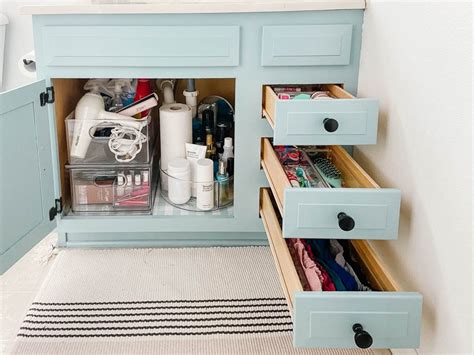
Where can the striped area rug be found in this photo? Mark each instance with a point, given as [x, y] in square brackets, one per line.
[161, 301]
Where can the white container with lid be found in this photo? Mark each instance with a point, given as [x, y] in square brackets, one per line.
[179, 181]
[205, 184]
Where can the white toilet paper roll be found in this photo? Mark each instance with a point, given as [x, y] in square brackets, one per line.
[27, 65]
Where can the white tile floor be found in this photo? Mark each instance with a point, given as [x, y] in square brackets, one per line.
[19, 285]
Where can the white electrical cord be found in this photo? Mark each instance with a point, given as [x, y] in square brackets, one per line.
[126, 142]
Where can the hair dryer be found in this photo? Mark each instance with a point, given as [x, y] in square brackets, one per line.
[90, 111]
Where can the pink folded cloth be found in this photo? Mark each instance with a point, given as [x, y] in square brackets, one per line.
[311, 271]
[325, 279]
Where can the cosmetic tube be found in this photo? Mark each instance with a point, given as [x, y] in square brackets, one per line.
[205, 184]
[194, 152]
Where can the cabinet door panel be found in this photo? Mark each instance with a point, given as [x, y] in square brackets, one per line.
[26, 177]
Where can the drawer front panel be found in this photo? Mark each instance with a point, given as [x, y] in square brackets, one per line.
[302, 122]
[308, 45]
[315, 213]
[393, 319]
[141, 46]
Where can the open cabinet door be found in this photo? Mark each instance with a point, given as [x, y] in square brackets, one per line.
[26, 175]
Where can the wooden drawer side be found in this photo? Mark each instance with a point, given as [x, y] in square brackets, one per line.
[284, 263]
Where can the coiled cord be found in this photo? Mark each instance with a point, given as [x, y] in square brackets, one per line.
[126, 142]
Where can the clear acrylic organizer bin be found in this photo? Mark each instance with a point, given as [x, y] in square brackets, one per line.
[183, 194]
[128, 141]
[111, 190]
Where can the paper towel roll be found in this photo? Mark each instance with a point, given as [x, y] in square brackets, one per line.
[175, 131]
[27, 65]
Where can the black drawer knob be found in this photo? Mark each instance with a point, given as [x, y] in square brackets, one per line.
[362, 339]
[346, 223]
[330, 124]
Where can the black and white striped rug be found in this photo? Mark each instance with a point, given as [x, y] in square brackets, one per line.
[163, 301]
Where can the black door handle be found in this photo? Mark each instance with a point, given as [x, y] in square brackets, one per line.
[330, 124]
[346, 223]
[362, 339]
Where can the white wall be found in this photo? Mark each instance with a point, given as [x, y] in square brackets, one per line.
[416, 58]
[19, 40]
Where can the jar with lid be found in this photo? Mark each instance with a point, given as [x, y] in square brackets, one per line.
[179, 181]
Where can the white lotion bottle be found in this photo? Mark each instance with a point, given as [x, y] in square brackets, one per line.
[205, 184]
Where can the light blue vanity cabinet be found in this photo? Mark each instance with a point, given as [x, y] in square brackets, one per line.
[228, 45]
[257, 49]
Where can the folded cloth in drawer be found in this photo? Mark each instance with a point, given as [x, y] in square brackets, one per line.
[326, 281]
[311, 270]
[337, 252]
[321, 250]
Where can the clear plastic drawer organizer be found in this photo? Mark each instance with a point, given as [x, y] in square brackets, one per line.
[129, 188]
[203, 196]
[109, 142]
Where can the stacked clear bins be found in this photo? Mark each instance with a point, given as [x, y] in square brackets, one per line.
[111, 165]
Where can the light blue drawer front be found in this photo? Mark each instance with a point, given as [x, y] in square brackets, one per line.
[306, 45]
[141, 46]
[325, 319]
[302, 122]
[315, 213]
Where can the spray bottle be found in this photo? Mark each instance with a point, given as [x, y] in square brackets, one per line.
[118, 87]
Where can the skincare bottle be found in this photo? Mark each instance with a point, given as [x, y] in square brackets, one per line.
[221, 133]
[222, 195]
[120, 185]
[197, 131]
[222, 173]
[129, 92]
[215, 158]
[230, 166]
[208, 122]
[138, 180]
[205, 184]
[211, 150]
[228, 149]
[145, 178]
[129, 184]
[117, 102]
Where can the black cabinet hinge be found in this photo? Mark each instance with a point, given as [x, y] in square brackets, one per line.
[56, 209]
[47, 97]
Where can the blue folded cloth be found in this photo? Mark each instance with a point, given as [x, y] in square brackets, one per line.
[321, 251]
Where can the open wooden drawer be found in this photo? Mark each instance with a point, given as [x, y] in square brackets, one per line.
[373, 212]
[389, 318]
[346, 120]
